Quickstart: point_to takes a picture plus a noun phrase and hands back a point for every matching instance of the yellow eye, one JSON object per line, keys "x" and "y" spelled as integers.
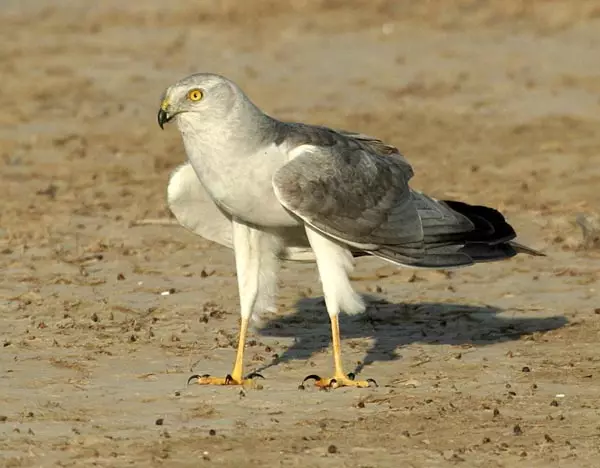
{"x": 194, "y": 95}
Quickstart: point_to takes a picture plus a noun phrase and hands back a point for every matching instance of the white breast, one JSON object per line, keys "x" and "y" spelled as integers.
{"x": 240, "y": 183}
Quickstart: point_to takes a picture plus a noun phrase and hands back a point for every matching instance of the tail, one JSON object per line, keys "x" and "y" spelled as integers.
{"x": 457, "y": 234}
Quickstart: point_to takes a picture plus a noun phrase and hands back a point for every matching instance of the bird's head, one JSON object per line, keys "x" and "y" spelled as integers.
{"x": 206, "y": 97}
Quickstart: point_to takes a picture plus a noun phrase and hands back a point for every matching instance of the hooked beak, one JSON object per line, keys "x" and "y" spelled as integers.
{"x": 163, "y": 117}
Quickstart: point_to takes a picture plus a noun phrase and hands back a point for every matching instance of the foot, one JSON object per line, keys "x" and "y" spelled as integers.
{"x": 206, "y": 379}
{"x": 339, "y": 381}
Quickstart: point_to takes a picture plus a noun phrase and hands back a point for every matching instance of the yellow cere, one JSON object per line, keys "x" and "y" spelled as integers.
{"x": 194, "y": 95}
{"x": 164, "y": 104}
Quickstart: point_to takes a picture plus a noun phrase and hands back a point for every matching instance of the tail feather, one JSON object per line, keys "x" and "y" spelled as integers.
{"x": 520, "y": 248}
{"x": 490, "y": 225}
{"x": 461, "y": 235}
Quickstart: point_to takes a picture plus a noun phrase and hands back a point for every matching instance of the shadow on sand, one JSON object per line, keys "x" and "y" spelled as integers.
{"x": 395, "y": 325}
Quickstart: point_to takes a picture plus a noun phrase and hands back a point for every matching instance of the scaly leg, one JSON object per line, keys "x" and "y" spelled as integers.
{"x": 235, "y": 378}
{"x": 339, "y": 379}
{"x": 256, "y": 265}
{"x": 334, "y": 263}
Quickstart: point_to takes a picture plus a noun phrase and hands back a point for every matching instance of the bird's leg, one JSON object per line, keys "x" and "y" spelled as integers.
{"x": 236, "y": 376}
{"x": 340, "y": 378}
{"x": 255, "y": 252}
{"x": 334, "y": 263}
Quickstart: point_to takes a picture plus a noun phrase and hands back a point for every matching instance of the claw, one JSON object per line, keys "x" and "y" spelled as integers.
{"x": 345, "y": 381}
{"x": 372, "y": 381}
{"x": 193, "y": 377}
{"x": 197, "y": 377}
{"x": 313, "y": 377}
{"x": 254, "y": 375}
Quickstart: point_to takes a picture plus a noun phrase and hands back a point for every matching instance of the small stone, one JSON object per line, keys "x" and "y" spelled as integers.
{"x": 486, "y": 440}
{"x": 526, "y": 369}
{"x": 120, "y": 277}
{"x": 496, "y": 412}
{"x": 517, "y": 430}
{"x": 548, "y": 439}
{"x": 212, "y": 432}
{"x": 159, "y": 422}
{"x": 332, "y": 449}
{"x": 554, "y": 403}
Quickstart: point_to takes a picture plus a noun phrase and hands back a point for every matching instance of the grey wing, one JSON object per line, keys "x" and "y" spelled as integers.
{"x": 354, "y": 188}
{"x": 195, "y": 210}
{"x": 353, "y": 195}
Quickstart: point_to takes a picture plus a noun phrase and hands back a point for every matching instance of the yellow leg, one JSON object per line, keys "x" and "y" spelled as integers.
{"x": 235, "y": 378}
{"x": 236, "y": 374}
{"x": 339, "y": 379}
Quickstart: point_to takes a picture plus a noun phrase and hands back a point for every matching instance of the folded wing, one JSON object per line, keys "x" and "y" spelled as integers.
{"x": 355, "y": 189}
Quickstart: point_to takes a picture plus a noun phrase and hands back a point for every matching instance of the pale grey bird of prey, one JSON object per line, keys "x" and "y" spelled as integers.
{"x": 274, "y": 190}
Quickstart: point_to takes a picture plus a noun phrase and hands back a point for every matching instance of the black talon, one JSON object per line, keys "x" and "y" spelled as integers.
{"x": 351, "y": 375}
{"x": 228, "y": 379}
{"x": 195, "y": 376}
{"x": 372, "y": 381}
{"x": 311, "y": 376}
{"x": 255, "y": 375}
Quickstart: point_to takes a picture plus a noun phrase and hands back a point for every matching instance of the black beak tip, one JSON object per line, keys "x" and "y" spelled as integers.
{"x": 162, "y": 118}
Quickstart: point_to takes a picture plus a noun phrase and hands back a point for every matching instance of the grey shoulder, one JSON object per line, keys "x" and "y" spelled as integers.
{"x": 343, "y": 144}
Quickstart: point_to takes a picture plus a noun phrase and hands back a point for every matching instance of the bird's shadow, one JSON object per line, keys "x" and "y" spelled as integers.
{"x": 394, "y": 325}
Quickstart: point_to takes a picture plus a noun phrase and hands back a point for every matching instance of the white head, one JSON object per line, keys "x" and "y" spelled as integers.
{"x": 205, "y": 97}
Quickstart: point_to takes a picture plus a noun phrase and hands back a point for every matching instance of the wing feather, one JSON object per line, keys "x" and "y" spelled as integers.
{"x": 351, "y": 187}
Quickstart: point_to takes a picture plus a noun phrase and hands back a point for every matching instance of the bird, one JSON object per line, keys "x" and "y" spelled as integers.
{"x": 277, "y": 191}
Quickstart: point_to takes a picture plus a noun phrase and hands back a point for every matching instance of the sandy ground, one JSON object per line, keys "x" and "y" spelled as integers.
{"x": 493, "y": 102}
